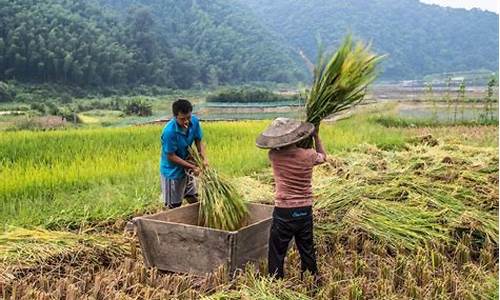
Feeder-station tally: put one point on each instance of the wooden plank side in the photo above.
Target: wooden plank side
(187, 214)
(251, 244)
(259, 212)
(143, 242)
(183, 248)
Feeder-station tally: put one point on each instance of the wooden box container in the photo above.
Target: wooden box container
(172, 240)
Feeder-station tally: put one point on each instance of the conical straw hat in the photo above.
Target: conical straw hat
(283, 132)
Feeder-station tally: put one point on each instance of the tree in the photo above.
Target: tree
(68, 62)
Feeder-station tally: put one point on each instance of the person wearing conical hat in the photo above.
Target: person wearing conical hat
(292, 169)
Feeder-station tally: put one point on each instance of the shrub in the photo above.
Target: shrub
(138, 107)
(40, 107)
(248, 95)
(7, 93)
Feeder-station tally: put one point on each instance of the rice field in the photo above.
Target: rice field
(400, 213)
(74, 178)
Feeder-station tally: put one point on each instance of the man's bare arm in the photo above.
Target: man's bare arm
(201, 149)
(177, 160)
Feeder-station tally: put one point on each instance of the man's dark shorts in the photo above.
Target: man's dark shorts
(173, 191)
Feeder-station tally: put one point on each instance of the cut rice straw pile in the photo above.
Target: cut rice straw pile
(409, 198)
(24, 249)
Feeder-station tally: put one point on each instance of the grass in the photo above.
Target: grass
(478, 136)
(39, 182)
(88, 119)
(348, 133)
(393, 121)
(66, 182)
(95, 175)
(396, 217)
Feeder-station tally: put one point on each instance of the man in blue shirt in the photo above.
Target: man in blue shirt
(177, 171)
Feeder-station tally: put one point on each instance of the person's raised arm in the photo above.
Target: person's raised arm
(319, 147)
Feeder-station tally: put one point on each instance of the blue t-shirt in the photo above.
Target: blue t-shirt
(175, 139)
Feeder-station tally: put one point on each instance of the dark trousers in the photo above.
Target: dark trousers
(289, 223)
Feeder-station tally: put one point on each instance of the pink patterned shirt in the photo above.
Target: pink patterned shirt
(292, 168)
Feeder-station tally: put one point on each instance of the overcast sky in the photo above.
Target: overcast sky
(491, 5)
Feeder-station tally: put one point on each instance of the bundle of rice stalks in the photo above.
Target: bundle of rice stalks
(340, 82)
(221, 206)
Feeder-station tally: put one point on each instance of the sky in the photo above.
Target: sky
(491, 5)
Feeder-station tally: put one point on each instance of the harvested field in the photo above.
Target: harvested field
(402, 214)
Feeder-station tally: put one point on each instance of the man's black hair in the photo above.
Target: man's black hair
(181, 106)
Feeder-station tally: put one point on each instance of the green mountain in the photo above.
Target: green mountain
(155, 42)
(419, 38)
(185, 43)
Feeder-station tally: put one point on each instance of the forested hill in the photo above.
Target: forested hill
(163, 42)
(419, 38)
(185, 43)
